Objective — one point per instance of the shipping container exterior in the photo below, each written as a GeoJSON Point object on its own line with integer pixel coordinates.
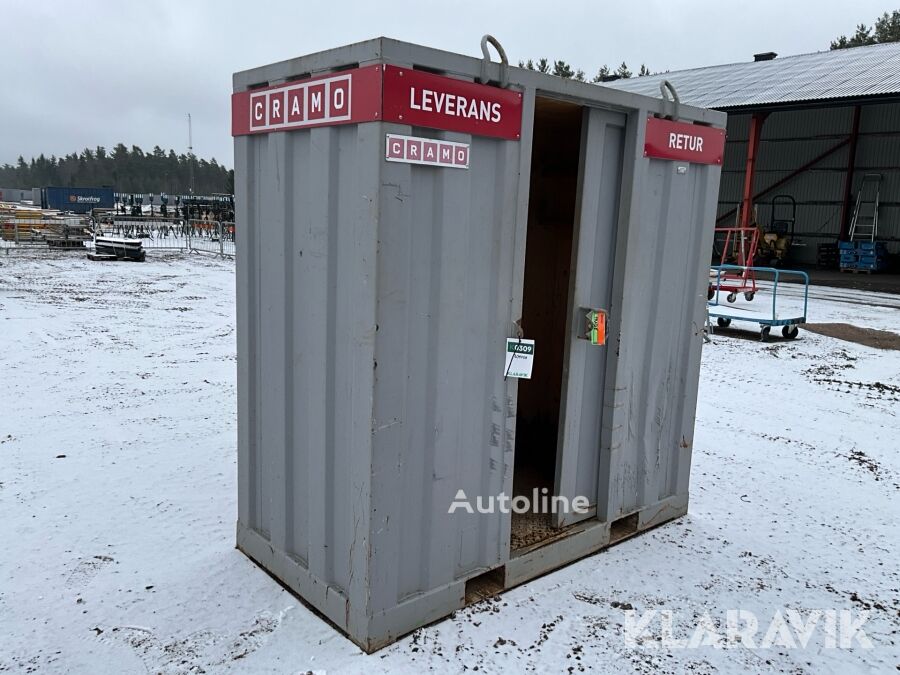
{"type": "Point", "coordinates": [14, 195]}
{"type": "Point", "coordinates": [77, 199]}
{"type": "Point", "coordinates": [374, 303]}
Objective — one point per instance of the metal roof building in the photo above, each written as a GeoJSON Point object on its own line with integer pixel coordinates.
{"type": "Point", "coordinates": [808, 126]}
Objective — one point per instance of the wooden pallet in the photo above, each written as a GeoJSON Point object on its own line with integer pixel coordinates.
{"type": "Point", "coordinates": [66, 243]}
{"type": "Point", "coordinates": [101, 257]}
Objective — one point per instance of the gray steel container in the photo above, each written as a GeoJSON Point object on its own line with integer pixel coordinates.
{"type": "Point", "coordinates": [374, 300]}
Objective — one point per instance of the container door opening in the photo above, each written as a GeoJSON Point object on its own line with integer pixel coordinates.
{"type": "Point", "coordinates": [556, 151]}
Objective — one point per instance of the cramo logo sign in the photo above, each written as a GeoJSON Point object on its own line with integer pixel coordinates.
{"type": "Point", "coordinates": [83, 199]}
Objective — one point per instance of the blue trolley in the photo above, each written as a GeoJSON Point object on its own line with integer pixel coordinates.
{"type": "Point", "coordinates": [764, 314]}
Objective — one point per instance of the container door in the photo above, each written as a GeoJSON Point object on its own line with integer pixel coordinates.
{"type": "Point", "coordinates": [584, 365]}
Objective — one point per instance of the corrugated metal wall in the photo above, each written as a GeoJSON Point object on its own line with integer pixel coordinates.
{"type": "Point", "coordinates": [306, 317]}
{"type": "Point", "coordinates": [650, 414]}
{"type": "Point", "coordinates": [443, 416]}
{"type": "Point", "coordinates": [792, 138]}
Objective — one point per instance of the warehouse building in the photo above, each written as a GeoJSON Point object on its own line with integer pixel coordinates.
{"type": "Point", "coordinates": [812, 130]}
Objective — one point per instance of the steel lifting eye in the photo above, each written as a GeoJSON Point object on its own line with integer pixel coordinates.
{"type": "Point", "coordinates": [486, 61]}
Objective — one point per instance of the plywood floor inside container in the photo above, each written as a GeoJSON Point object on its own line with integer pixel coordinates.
{"type": "Point", "coordinates": [531, 530]}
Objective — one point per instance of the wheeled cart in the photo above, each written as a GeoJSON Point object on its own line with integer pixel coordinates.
{"type": "Point", "coordinates": [765, 315]}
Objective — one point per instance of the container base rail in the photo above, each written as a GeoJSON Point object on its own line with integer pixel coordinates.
{"type": "Point", "coordinates": [763, 314]}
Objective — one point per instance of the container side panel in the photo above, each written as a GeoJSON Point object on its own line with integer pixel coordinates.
{"type": "Point", "coordinates": [334, 198]}
{"type": "Point", "coordinates": [303, 322]}
{"type": "Point", "coordinates": [307, 340]}
{"type": "Point", "coordinates": [663, 238]}
{"type": "Point", "coordinates": [706, 189]}
{"type": "Point", "coordinates": [257, 503]}
{"type": "Point", "coordinates": [445, 270]}
{"type": "Point", "coordinates": [286, 525]}
{"type": "Point", "coordinates": [447, 306]}
{"type": "Point", "coordinates": [319, 262]}
{"type": "Point", "coordinates": [495, 532]}
{"type": "Point", "coordinates": [399, 478]}
{"type": "Point", "coordinates": [354, 149]}
{"type": "Point", "coordinates": [643, 305]}
{"type": "Point", "coordinates": [488, 256]}
{"type": "Point", "coordinates": [667, 230]}
{"type": "Point", "coordinates": [245, 199]}
{"type": "Point", "coordinates": [363, 212]}
{"type": "Point", "coordinates": [272, 303]}
{"type": "Point", "coordinates": [665, 431]}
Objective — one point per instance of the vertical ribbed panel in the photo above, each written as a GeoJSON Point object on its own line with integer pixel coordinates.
{"type": "Point", "coordinates": [444, 280]}
{"type": "Point", "coordinates": [580, 450]}
{"type": "Point", "coordinates": [650, 416]}
{"type": "Point", "coordinates": [306, 331]}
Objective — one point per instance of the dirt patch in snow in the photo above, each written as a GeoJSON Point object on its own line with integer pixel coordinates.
{"type": "Point", "coordinates": [869, 337]}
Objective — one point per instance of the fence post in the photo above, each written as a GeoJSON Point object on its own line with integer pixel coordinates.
{"type": "Point", "coordinates": [16, 228]}
{"type": "Point", "coordinates": [221, 239]}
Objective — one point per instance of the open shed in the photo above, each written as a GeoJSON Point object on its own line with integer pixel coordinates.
{"type": "Point", "coordinates": [810, 127]}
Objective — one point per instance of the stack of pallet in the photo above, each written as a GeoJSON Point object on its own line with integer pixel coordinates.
{"type": "Point", "coordinates": [863, 256]}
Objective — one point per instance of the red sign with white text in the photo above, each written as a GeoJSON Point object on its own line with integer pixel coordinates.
{"type": "Point", "coordinates": [380, 92]}
{"type": "Point", "coordinates": [427, 100]}
{"type": "Point", "coordinates": [684, 142]}
{"type": "Point", "coordinates": [347, 97]}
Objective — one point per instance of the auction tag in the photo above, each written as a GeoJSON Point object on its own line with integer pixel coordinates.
{"type": "Point", "coordinates": [519, 358]}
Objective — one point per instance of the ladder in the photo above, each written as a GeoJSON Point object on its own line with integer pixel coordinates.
{"type": "Point", "coordinates": [864, 226]}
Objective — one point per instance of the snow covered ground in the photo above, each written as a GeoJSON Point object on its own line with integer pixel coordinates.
{"type": "Point", "coordinates": [117, 502]}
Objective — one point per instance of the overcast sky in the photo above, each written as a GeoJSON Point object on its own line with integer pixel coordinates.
{"type": "Point", "coordinates": [91, 73]}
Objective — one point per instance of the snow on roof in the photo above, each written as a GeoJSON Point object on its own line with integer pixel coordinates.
{"type": "Point", "coordinates": [838, 74]}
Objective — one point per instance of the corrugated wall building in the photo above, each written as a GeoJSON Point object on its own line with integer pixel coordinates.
{"type": "Point", "coordinates": [822, 121]}
{"type": "Point", "coordinates": [792, 139]}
